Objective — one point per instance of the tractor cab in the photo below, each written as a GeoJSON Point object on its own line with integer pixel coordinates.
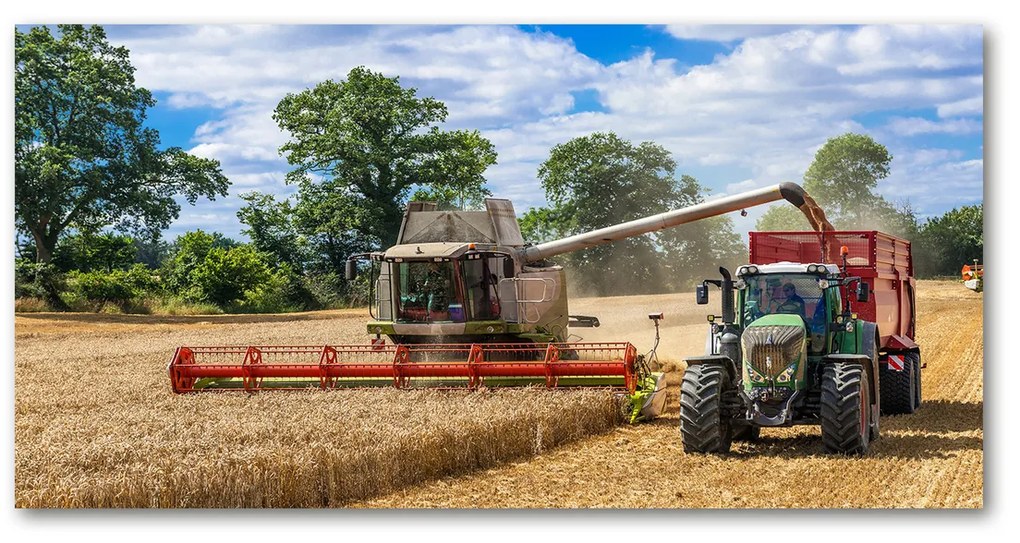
{"type": "Point", "coordinates": [790, 289]}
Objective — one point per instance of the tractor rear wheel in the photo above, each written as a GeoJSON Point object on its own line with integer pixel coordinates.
{"type": "Point", "coordinates": [845, 409]}
{"type": "Point", "coordinates": [703, 426]}
{"type": "Point", "coordinates": [898, 388]}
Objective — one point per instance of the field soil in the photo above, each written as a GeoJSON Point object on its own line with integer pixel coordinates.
{"type": "Point", "coordinates": [91, 391]}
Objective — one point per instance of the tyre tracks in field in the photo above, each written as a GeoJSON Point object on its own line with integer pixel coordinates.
{"type": "Point", "coordinates": [933, 458]}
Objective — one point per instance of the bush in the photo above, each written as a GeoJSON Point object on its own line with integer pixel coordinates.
{"type": "Point", "coordinates": [98, 290]}
{"type": "Point", "coordinates": [332, 290]}
{"type": "Point", "coordinates": [42, 281]}
{"type": "Point", "coordinates": [225, 275]}
{"type": "Point", "coordinates": [272, 296]}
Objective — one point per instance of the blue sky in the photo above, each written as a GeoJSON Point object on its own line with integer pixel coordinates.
{"type": "Point", "coordinates": [739, 106]}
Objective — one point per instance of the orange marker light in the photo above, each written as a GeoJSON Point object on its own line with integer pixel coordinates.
{"type": "Point", "coordinates": [844, 250]}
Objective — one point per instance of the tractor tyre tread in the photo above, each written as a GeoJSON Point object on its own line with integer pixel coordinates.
{"type": "Point", "coordinates": [915, 360]}
{"type": "Point", "coordinates": [896, 388]}
{"type": "Point", "coordinates": [702, 425]}
{"type": "Point", "coordinates": [841, 404]}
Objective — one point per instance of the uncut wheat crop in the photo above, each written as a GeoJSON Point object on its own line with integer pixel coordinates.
{"type": "Point", "coordinates": [97, 426]}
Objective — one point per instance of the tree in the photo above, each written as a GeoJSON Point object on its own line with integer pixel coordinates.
{"type": "Point", "coordinates": [843, 174]}
{"type": "Point", "coordinates": [948, 242]}
{"type": "Point", "coordinates": [449, 198]}
{"type": "Point", "coordinates": [782, 216]}
{"type": "Point", "coordinates": [898, 220]}
{"type": "Point", "coordinates": [83, 157]}
{"type": "Point", "coordinates": [373, 140]}
{"type": "Point", "coordinates": [694, 251]}
{"type": "Point", "coordinates": [271, 228]}
{"type": "Point", "coordinates": [86, 251]}
{"type": "Point", "coordinates": [541, 224]}
{"type": "Point", "coordinates": [332, 220]}
{"type": "Point", "coordinates": [602, 180]}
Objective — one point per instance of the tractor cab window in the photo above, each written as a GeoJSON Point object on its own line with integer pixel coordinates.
{"type": "Point", "coordinates": [793, 294]}
{"type": "Point", "coordinates": [428, 292]}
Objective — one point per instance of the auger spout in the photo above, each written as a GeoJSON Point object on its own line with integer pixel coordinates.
{"type": "Point", "coordinates": [791, 192]}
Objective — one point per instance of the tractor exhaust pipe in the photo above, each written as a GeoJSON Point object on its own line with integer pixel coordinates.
{"type": "Point", "coordinates": [729, 315]}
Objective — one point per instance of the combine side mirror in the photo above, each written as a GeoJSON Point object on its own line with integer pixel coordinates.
{"type": "Point", "coordinates": [862, 291]}
{"type": "Point", "coordinates": [350, 270]}
{"type": "Point", "coordinates": [701, 293]}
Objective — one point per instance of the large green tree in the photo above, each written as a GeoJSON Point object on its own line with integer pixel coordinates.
{"type": "Point", "coordinates": [373, 141]}
{"type": "Point", "coordinates": [83, 157]}
{"type": "Point", "coordinates": [844, 174]}
{"type": "Point", "coordinates": [601, 180]}
{"type": "Point", "coordinates": [782, 216]}
{"type": "Point", "coordinates": [271, 228]}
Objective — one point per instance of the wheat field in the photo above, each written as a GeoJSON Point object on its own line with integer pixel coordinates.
{"type": "Point", "coordinates": [97, 426]}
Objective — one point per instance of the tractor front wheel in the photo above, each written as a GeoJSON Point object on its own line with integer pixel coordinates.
{"type": "Point", "coordinates": [703, 425]}
{"type": "Point", "coordinates": [845, 409]}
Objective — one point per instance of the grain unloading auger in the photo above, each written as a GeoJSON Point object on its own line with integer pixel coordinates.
{"type": "Point", "coordinates": [467, 304]}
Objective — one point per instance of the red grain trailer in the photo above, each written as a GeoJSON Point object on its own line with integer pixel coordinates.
{"type": "Point", "coordinates": [885, 263]}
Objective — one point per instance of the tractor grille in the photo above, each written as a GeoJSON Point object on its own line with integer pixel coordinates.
{"type": "Point", "coordinates": [780, 344]}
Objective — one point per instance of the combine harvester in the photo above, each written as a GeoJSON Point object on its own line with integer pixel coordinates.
{"type": "Point", "coordinates": [467, 304]}
{"type": "Point", "coordinates": [807, 336]}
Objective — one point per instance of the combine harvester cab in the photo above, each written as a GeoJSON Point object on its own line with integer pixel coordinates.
{"type": "Point", "coordinates": [467, 303]}
{"type": "Point", "coordinates": [818, 329]}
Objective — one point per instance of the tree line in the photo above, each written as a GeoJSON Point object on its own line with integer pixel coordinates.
{"type": "Point", "coordinates": [94, 190]}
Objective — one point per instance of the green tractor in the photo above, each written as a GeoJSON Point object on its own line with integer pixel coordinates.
{"type": "Point", "coordinates": [787, 350]}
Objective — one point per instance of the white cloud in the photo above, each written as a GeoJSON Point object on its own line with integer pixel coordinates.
{"type": "Point", "coordinates": [725, 33]}
{"type": "Point", "coordinates": [967, 106]}
{"type": "Point", "coordinates": [757, 113]}
{"type": "Point", "coordinates": [912, 126]}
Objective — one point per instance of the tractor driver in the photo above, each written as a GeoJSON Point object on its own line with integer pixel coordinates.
{"type": "Point", "coordinates": [793, 304]}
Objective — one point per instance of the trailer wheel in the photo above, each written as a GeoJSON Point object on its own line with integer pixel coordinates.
{"type": "Point", "coordinates": [845, 409]}
{"type": "Point", "coordinates": [703, 428]}
{"type": "Point", "coordinates": [915, 360]}
{"type": "Point", "coordinates": [898, 388]}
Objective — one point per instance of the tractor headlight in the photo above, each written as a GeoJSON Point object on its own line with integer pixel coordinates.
{"type": "Point", "coordinates": [812, 268]}
{"type": "Point", "coordinates": [754, 375]}
{"type": "Point", "coordinates": [823, 284]}
{"type": "Point", "coordinates": [787, 374]}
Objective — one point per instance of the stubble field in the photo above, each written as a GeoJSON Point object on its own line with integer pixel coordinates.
{"type": "Point", "coordinates": [97, 426]}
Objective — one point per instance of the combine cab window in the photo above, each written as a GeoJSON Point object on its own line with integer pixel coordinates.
{"type": "Point", "coordinates": [482, 288]}
{"type": "Point", "coordinates": [795, 294]}
{"type": "Point", "coordinates": [427, 292]}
